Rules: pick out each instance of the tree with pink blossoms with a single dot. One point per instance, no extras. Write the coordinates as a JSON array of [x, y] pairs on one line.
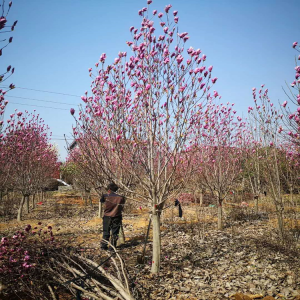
[[28, 157], [218, 157], [291, 120], [290, 166], [269, 120], [143, 111], [5, 28], [254, 164]]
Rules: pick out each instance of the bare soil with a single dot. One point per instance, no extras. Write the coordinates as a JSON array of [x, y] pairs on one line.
[[198, 262]]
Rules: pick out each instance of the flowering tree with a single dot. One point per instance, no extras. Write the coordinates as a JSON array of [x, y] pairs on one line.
[[219, 151], [270, 126], [142, 112], [253, 167], [5, 28], [291, 118], [289, 165], [27, 155]]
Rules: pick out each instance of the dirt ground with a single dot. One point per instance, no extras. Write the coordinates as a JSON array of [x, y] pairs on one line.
[[198, 262]]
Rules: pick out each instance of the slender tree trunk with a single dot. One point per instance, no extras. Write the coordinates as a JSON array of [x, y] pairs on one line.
[[201, 197], [33, 202], [82, 195], [291, 193], [27, 204], [256, 203], [100, 210], [220, 216], [156, 243], [279, 213], [19, 217]]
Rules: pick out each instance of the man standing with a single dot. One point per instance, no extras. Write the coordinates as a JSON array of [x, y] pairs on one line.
[[112, 219]]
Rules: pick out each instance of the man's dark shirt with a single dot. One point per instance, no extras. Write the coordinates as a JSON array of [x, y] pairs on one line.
[[114, 204]]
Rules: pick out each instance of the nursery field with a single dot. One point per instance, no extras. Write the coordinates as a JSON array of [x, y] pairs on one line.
[[244, 261], [174, 174]]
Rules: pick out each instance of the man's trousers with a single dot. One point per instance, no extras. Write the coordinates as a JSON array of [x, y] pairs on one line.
[[111, 226]]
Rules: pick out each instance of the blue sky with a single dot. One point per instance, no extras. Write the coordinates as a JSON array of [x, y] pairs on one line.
[[249, 43]]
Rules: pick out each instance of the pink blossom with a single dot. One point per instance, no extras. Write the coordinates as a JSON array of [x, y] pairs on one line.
[[295, 44], [167, 8], [179, 59], [284, 103]]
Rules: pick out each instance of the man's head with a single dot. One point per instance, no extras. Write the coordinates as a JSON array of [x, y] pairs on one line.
[[112, 187]]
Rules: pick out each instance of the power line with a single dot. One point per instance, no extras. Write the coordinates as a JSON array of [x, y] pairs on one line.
[[39, 106], [62, 139], [39, 100], [51, 92]]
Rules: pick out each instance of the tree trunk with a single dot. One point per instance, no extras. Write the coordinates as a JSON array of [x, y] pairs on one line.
[[156, 243], [33, 203], [100, 210], [256, 203], [201, 197], [27, 204], [279, 213], [291, 194], [220, 216], [19, 217]]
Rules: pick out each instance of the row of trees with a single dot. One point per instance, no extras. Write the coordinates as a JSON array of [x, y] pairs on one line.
[[152, 124], [27, 158]]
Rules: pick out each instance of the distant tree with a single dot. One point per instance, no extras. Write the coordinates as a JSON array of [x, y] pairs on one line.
[[270, 140], [28, 156], [219, 152]]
